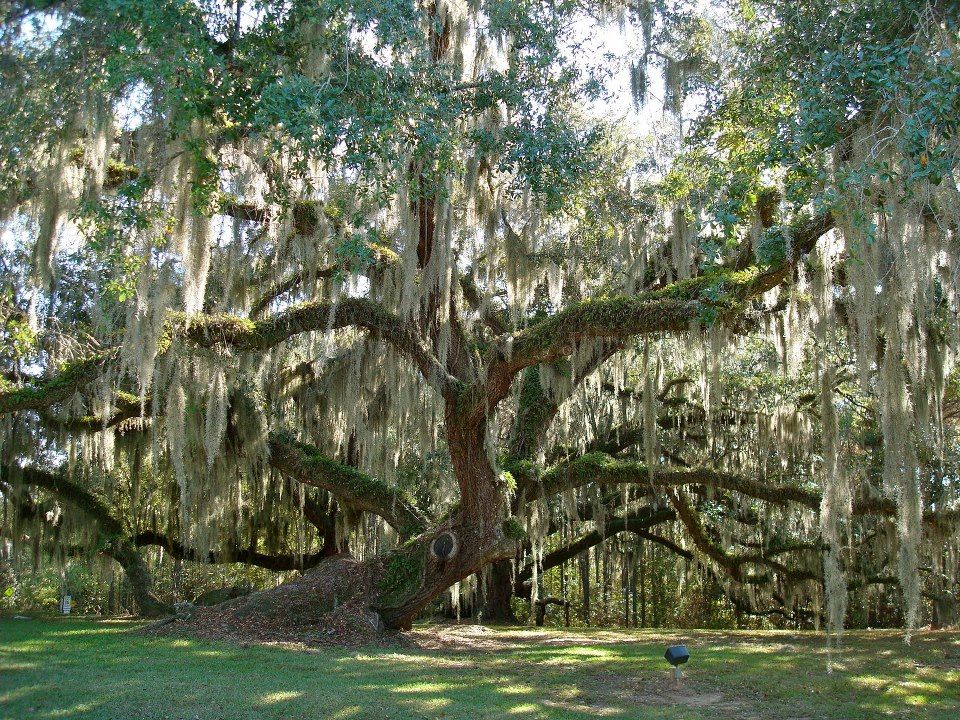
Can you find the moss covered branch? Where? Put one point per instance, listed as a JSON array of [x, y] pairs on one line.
[[309, 466], [116, 540], [59, 387], [720, 295], [250, 336], [235, 554], [606, 470], [246, 336], [635, 522]]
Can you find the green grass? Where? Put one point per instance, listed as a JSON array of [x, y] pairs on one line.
[[75, 668]]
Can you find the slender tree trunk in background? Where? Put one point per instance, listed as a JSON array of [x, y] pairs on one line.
[[603, 555], [625, 588], [564, 592], [643, 584], [584, 562]]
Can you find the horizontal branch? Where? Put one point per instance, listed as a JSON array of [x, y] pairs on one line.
[[116, 541], [382, 257], [249, 335], [58, 388], [605, 470], [69, 491], [126, 406], [635, 522], [248, 556], [118, 538], [732, 563], [720, 295], [246, 336]]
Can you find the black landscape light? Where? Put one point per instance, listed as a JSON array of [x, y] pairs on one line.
[[677, 655]]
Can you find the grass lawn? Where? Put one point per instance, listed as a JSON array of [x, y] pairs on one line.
[[77, 668]]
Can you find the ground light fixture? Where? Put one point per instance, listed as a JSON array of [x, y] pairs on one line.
[[677, 655]]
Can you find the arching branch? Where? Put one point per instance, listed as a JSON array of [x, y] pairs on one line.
[[116, 540], [58, 388], [247, 556], [605, 470], [720, 295], [246, 336], [309, 466], [635, 522]]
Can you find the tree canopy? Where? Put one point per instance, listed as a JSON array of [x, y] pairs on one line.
[[286, 278]]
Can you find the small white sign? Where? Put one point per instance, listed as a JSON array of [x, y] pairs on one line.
[[65, 604]]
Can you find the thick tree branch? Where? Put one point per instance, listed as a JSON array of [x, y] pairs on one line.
[[116, 540], [733, 564], [605, 470], [493, 319], [247, 556], [246, 336], [307, 465], [58, 388], [636, 522], [382, 258], [126, 406], [719, 296]]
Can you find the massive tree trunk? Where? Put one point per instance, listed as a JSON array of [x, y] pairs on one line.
[[411, 576]]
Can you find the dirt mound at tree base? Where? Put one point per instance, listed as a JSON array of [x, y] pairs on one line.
[[328, 605]]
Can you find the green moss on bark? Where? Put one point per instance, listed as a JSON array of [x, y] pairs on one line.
[[403, 572]]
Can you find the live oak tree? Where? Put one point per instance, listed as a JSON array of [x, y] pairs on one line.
[[282, 279]]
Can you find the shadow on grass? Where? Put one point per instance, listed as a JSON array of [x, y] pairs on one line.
[[84, 669]]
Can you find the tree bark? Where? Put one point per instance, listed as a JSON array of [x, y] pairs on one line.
[[499, 592], [141, 580]]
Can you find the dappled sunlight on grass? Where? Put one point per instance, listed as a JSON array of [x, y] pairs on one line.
[[76, 668], [98, 632], [515, 690], [209, 653], [423, 687], [346, 713], [428, 704], [15, 667], [71, 711], [279, 697], [523, 709], [16, 693]]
